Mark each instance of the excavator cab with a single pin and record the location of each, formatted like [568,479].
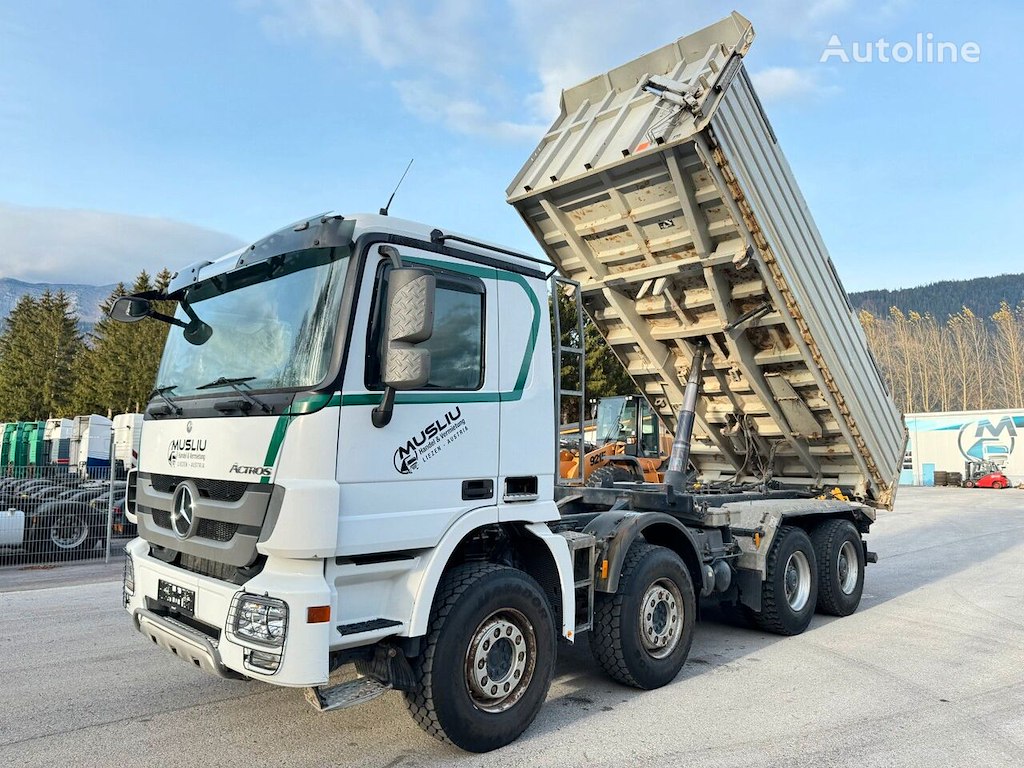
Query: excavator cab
[628,421]
[627,444]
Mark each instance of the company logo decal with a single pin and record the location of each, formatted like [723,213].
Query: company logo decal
[431,440]
[187,452]
[983,440]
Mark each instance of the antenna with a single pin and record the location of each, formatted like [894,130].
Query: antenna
[384,210]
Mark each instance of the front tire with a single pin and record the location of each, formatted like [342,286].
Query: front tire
[642,634]
[488,660]
[790,589]
[840,555]
[611,474]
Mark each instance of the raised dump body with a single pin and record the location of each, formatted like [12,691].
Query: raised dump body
[661,188]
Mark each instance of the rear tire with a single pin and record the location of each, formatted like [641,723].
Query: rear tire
[840,555]
[476,689]
[71,534]
[642,634]
[609,473]
[997,485]
[790,589]
[968,483]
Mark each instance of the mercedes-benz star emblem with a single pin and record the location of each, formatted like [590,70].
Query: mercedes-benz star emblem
[183,512]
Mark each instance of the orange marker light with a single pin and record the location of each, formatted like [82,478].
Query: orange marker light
[757,539]
[604,569]
[318,614]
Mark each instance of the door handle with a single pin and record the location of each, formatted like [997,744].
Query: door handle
[477,489]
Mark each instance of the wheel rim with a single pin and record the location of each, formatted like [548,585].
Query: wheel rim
[797,581]
[848,568]
[68,532]
[661,618]
[500,660]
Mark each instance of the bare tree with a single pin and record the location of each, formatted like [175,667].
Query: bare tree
[1008,347]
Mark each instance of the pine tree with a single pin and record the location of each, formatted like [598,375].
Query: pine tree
[117,373]
[39,347]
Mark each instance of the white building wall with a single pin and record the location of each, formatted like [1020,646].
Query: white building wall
[946,441]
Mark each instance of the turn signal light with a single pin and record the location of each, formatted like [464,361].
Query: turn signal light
[318,614]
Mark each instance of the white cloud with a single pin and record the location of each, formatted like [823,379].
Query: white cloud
[446,71]
[98,248]
[777,84]
[497,68]
[462,115]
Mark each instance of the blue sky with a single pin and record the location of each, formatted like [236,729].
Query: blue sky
[141,134]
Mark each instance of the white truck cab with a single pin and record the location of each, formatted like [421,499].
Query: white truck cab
[279,527]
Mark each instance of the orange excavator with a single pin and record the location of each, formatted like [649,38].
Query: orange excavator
[630,445]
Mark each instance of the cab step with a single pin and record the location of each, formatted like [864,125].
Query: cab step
[344,695]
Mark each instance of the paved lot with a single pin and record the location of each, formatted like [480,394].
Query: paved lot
[929,672]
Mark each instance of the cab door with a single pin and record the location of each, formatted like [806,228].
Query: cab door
[405,484]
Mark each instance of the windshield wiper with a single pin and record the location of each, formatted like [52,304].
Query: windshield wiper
[161,392]
[235,384]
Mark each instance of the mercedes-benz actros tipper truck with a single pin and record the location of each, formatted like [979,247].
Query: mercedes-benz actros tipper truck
[350,456]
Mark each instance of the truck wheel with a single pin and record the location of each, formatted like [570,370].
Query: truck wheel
[790,591]
[642,634]
[840,555]
[968,483]
[69,532]
[611,474]
[488,659]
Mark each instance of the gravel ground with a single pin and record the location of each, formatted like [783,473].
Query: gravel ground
[928,672]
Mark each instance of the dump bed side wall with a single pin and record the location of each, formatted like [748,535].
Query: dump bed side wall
[816,298]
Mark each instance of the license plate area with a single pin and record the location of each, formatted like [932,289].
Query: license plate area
[180,597]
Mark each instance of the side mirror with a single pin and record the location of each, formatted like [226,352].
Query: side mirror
[409,320]
[130,309]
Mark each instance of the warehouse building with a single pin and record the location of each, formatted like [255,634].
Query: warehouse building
[945,442]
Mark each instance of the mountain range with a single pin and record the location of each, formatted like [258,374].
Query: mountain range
[981,294]
[86,299]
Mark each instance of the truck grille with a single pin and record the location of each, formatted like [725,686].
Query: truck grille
[215,530]
[218,490]
[206,567]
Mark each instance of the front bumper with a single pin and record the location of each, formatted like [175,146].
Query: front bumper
[208,644]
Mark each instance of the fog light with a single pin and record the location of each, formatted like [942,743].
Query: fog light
[262,620]
[262,661]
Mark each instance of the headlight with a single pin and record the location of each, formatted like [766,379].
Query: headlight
[262,620]
[129,577]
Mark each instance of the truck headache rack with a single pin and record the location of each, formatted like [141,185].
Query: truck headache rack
[662,191]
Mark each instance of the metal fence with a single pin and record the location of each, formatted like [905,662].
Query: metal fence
[59,513]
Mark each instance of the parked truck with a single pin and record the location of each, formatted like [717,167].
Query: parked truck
[90,444]
[350,456]
[57,435]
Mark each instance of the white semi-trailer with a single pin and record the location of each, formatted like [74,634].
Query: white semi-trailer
[350,455]
[126,440]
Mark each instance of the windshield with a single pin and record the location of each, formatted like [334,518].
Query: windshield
[611,421]
[273,322]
